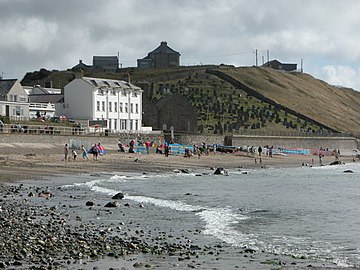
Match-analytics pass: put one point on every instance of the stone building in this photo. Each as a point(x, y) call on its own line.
point(275, 64)
point(107, 64)
point(162, 57)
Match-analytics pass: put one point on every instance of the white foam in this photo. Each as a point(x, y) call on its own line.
point(218, 223)
point(175, 205)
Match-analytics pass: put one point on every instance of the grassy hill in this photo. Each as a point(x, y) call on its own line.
point(338, 108)
point(231, 100)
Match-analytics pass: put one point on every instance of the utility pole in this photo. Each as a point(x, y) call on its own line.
point(256, 58)
point(302, 65)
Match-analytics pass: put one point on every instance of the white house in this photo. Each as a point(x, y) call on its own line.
point(42, 101)
point(13, 100)
point(117, 102)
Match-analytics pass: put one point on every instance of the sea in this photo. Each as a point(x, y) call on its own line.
point(303, 212)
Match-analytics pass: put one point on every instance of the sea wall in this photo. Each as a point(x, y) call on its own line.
point(297, 142)
point(190, 139)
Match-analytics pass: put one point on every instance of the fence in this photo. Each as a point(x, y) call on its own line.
point(68, 131)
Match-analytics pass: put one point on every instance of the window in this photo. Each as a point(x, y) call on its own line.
point(136, 108)
point(126, 107)
point(22, 98)
point(134, 94)
point(123, 124)
point(113, 92)
point(115, 107)
point(103, 106)
point(131, 124)
point(121, 107)
point(18, 111)
point(115, 123)
point(136, 125)
point(131, 107)
point(110, 106)
point(123, 92)
point(98, 106)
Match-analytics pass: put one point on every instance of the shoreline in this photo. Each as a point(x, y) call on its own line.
point(24, 172)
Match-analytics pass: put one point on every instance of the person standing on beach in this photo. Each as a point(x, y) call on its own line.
point(167, 150)
point(66, 151)
point(95, 151)
point(84, 153)
point(147, 145)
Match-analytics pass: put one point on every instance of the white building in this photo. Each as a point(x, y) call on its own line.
point(42, 101)
point(117, 102)
point(13, 100)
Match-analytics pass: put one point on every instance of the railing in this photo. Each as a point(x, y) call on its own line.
point(42, 105)
point(68, 131)
point(291, 133)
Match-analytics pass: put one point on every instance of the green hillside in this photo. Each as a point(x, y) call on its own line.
point(232, 100)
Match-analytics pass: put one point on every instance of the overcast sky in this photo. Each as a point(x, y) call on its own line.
point(55, 34)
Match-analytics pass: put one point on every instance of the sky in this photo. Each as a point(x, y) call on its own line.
point(322, 36)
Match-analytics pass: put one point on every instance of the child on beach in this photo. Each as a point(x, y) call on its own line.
point(74, 154)
point(84, 153)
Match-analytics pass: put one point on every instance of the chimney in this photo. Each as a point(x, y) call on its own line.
point(79, 75)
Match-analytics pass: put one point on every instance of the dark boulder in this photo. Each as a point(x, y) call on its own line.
point(185, 171)
point(348, 171)
point(221, 171)
point(118, 196)
point(90, 203)
point(112, 204)
point(336, 162)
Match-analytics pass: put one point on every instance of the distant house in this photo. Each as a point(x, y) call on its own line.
point(13, 100)
point(42, 101)
point(107, 63)
point(115, 102)
point(81, 66)
point(275, 64)
point(162, 57)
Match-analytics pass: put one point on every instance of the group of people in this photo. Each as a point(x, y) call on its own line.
point(95, 150)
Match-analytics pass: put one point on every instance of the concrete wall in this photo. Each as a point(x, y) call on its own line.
point(189, 139)
point(297, 142)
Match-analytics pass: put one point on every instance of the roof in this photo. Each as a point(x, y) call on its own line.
point(6, 85)
point(46, 98)
point(98, 82)
point(105, 58)
point(269, 63)
point(163, 48)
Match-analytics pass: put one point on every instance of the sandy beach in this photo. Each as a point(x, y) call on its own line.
point(32, 163)
point(28, 161)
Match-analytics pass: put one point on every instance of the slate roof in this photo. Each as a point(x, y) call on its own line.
point(6, 85)
point(158, 50)
point(46, 98)
point(97, 82)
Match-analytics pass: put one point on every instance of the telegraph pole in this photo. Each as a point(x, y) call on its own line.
point(256, 58)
